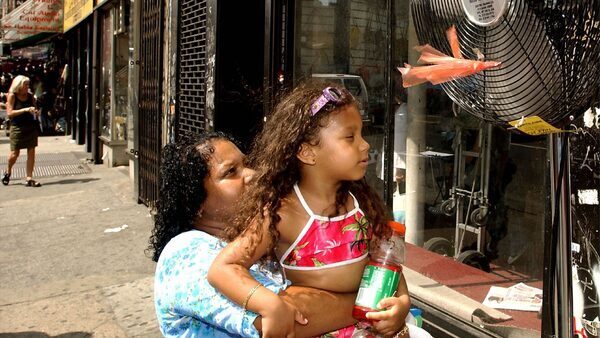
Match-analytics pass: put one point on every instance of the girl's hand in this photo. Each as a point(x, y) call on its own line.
point(279, 321)
point(390, 320)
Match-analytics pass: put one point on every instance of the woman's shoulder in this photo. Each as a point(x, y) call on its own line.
point(190, 241)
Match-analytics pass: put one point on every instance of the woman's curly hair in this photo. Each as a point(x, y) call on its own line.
point(278, 169)
point(183, 168)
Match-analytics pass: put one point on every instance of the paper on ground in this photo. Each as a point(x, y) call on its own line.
point(117, 229)
point(517, 297)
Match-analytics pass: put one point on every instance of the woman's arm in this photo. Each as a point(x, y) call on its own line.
point(229, 274)
point(10, 104)
point(326, 311)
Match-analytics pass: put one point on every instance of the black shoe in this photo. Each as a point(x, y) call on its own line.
point(6, 178)
point(32, 183)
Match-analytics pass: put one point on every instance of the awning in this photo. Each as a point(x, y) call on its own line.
point(32, 18)
point(32, 40)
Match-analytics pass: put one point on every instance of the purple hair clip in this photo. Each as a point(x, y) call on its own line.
point(330, 94)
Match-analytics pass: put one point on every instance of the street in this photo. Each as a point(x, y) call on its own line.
point(72, 251)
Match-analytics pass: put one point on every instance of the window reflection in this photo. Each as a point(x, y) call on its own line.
point(344, 41)
point(465, 189)
point(106, 86)
point(480, 188)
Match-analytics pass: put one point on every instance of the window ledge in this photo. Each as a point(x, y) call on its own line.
point(444, 283)
point(112, 143)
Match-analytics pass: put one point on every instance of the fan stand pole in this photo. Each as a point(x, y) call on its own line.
point(557, 279)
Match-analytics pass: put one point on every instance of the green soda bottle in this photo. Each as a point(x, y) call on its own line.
point(382, 274)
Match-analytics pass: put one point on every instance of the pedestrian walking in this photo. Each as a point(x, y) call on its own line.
point(24, 129)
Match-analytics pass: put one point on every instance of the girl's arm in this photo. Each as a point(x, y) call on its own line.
point(229, 274)
point(10, 104)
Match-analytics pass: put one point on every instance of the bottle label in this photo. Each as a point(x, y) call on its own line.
point(377, 282)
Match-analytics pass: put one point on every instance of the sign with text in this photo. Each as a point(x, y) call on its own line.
point(33, 17)
point(76, 11)
point(484, 12)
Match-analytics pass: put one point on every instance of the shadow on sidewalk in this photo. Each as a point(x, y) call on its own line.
point(33, 334)
point(72, 181)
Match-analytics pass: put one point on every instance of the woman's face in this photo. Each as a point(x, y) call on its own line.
point(24, 87)
point(227, 180)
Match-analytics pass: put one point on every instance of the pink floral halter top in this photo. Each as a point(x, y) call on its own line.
point(326, 242)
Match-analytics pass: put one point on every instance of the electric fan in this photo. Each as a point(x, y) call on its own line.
point(550, 68)
point(548, 48)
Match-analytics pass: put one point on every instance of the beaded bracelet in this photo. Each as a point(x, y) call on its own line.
point(402, 332)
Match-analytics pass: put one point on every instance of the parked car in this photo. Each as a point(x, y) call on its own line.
point(355, 85)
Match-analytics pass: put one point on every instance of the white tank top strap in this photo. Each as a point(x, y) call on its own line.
point(356, 206)
point(301, 198)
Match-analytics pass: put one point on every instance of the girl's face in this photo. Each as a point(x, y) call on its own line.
point(227, 181)
point(342, 152)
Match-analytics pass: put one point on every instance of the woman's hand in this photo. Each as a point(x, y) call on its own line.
point(279, 320)
point(391, 318)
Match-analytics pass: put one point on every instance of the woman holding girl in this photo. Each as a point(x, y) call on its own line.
point(310, 209)
point(202, 178)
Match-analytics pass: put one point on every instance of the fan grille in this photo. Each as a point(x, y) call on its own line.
point(549, 52)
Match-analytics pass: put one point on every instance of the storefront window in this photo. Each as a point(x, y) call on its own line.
point(344, 41)
point(106, 85)
point(121, 73)
point(474, 196)
point(115, 75)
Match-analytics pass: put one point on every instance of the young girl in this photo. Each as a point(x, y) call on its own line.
point(311, 208)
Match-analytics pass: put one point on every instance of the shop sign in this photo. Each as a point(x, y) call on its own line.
point(31, 53)
point(484, 12)
point(76, 11)
point(33, 17)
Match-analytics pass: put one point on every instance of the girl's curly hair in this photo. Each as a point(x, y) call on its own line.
point(278, 169)
point(184, 166)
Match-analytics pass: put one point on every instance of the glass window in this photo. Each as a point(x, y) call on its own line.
point(467, 190)
point(474, 196)
point(344, 41)
point(121, 77)
point(106, 85)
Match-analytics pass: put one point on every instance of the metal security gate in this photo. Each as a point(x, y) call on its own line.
point(150, 117)
point(192, 72)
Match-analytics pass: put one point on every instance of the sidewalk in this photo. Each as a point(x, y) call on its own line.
point(62, 274)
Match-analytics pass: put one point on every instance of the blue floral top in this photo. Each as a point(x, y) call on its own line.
point(186, 304)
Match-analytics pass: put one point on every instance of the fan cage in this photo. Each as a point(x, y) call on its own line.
point(549, 52)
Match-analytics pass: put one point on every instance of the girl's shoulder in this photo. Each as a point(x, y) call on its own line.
point(290, 206)
point(291, 211)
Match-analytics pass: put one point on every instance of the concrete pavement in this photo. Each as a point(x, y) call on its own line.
point(61, 273)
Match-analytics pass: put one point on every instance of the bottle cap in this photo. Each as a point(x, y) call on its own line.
point(416, 312)
point(397, 227)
